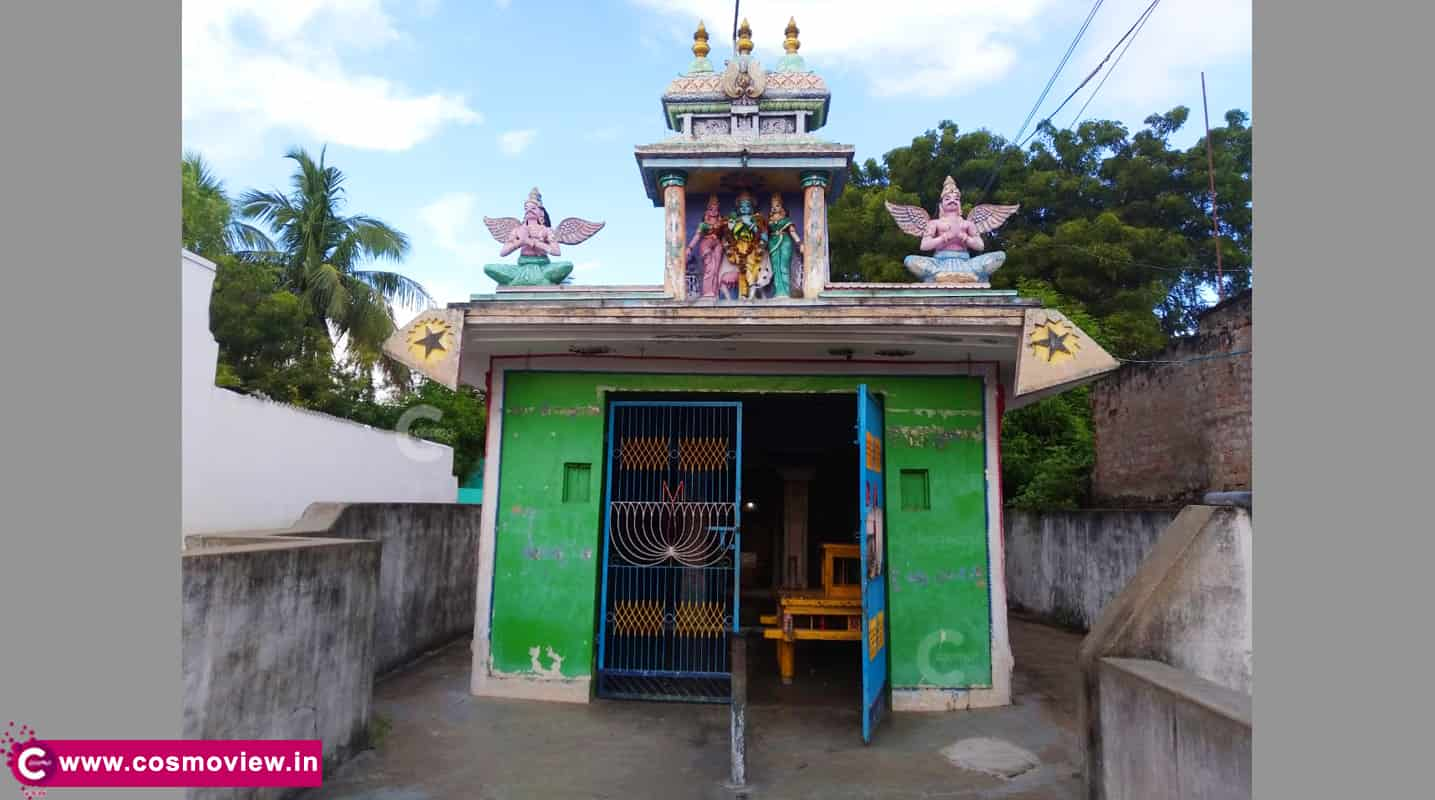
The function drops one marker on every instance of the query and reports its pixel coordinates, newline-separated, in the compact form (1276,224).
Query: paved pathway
(444,743)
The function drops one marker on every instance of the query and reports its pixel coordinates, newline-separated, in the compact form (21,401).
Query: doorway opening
(777,479)
(800,539)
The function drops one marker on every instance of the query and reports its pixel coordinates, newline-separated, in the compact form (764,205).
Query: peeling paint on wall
(550,411)
(554,670)
(938,413)
(934,435)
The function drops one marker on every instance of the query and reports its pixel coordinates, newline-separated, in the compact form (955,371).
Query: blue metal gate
(670,550)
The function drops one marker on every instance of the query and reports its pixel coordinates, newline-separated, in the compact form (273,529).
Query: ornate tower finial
(744,38)
(791,62)
(700,41)
(700,51)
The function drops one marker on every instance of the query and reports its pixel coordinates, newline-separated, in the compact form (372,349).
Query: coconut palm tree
(321,253)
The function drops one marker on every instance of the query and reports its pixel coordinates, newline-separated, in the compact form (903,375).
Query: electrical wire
(1126,263)
(1049,83)
(1145,18)
(1212,357)
(1088,78)
(1059,67)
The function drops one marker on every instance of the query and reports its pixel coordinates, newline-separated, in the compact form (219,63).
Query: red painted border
(720,359)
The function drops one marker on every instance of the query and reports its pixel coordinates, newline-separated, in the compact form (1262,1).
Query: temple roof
(748,121)
(785,91)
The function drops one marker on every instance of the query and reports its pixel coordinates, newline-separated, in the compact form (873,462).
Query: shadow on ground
(441,742)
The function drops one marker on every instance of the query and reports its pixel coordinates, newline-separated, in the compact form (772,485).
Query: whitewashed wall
(249,463)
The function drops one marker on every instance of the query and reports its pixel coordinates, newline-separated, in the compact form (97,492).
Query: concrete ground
(441,742)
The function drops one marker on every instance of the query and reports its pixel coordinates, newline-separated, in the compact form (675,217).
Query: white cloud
(455,227)
(928,48)
(451,220)
(514,142)
(252,67)
(942,48)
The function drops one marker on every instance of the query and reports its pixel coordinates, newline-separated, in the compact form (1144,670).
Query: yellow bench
(833,612)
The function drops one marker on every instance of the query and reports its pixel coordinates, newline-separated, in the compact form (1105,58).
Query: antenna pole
(1211,172)
(735,4)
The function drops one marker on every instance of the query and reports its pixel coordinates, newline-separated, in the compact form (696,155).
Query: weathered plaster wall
(1188,609)
(1169,734)
(426,572)
(278,643)
(548,553)
(1167,434)
(1200,620)
(251,463)
(429,560)
(1065,566)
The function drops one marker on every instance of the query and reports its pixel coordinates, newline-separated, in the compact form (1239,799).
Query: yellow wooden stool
(833,612)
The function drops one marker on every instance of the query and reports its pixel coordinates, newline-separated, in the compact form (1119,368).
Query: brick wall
(1166,434)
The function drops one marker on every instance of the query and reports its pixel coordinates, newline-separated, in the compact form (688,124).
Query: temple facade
(746,445)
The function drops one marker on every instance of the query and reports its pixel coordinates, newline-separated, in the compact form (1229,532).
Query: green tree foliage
(321,252)
(207,224)
(273,319)
(265,343)
(1114,230)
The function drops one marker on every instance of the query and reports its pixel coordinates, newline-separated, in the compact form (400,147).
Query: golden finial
(744,38)
(700,41)
(790,44)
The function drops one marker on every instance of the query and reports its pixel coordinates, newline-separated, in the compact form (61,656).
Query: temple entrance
(748,510)
(799,527)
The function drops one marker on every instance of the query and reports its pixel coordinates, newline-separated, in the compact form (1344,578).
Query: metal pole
(1211,172)
(735,4)
(738,670)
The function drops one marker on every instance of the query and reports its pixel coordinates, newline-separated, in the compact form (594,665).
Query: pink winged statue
(951,237)
(535,239)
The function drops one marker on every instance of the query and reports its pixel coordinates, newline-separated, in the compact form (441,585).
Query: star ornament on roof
(1054,342)
(431,340)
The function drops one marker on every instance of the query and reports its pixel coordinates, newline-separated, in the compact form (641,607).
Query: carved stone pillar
(814,242)
(792,571)
(675,225)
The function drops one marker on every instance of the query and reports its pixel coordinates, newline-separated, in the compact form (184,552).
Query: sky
(441,112)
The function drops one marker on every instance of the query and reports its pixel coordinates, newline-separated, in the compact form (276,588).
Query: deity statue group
(746,254)
(749,255)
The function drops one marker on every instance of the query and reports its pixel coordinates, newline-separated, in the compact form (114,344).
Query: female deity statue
(710,254)
(744,236)
(782,243)
(535,239)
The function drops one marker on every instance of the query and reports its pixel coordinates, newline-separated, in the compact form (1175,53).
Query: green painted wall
(547,558)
